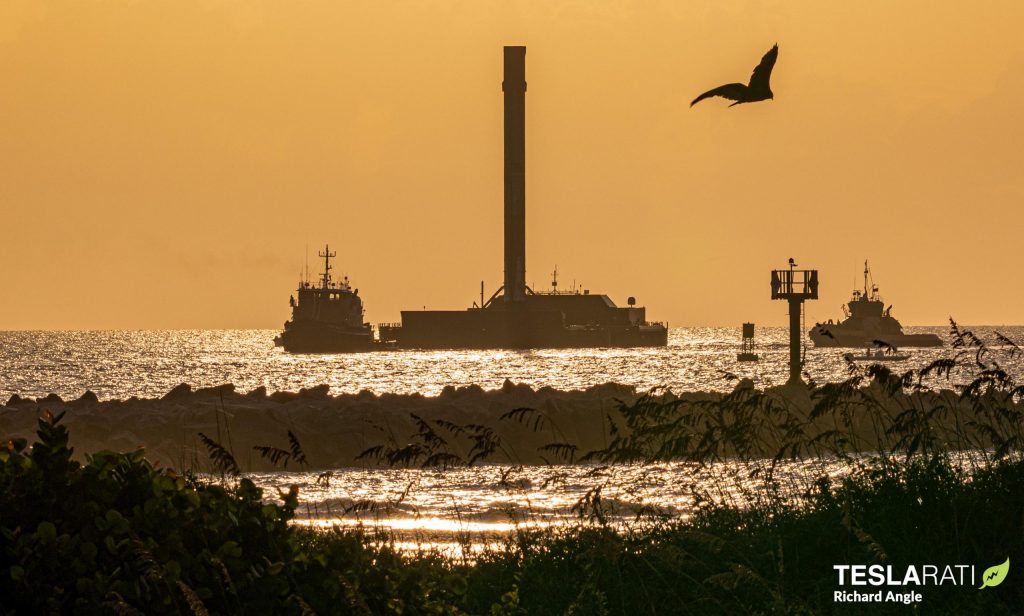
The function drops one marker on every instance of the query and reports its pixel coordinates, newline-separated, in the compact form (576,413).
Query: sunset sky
(164,164)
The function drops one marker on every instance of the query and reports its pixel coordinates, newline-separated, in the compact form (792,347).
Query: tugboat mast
(327,254)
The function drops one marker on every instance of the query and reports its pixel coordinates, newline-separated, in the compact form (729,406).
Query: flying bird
(758,88)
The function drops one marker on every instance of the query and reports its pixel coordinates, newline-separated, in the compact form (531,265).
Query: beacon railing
(794,284)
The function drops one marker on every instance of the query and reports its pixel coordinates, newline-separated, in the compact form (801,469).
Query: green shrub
(117,535)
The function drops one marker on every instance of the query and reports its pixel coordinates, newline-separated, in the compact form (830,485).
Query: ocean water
(460,509)
(463,509)
(121,364)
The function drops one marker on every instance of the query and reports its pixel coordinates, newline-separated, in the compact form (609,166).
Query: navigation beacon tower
(795,286)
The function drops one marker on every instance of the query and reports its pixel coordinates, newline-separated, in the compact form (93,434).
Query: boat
(866,321)
(517,316)
(326,318)
(877,356)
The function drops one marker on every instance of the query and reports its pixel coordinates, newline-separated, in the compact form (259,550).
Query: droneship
(867,320)
(516,316)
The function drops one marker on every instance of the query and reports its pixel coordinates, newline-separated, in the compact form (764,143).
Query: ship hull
(515,329)
(566,339)
(312,337)
(832,337)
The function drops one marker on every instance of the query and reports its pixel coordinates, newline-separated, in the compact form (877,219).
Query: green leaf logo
(994,576)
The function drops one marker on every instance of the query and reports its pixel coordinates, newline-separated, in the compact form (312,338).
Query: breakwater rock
(332,430)
(514,424)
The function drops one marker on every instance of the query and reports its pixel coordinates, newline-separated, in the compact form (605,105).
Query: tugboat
(867,321)
(326,319)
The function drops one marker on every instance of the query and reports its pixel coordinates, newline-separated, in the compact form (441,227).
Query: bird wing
(763,71)
(731,91)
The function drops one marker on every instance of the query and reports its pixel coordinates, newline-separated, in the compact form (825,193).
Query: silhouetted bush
(118,536)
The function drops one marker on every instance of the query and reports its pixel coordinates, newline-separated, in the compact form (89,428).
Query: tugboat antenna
(327,254)
(865,278)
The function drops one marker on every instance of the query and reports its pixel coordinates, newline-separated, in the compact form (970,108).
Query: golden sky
(163,164)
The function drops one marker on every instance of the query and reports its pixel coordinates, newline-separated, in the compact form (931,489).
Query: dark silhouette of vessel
(867,320)
(326,318)
(876,356)
(516,316)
